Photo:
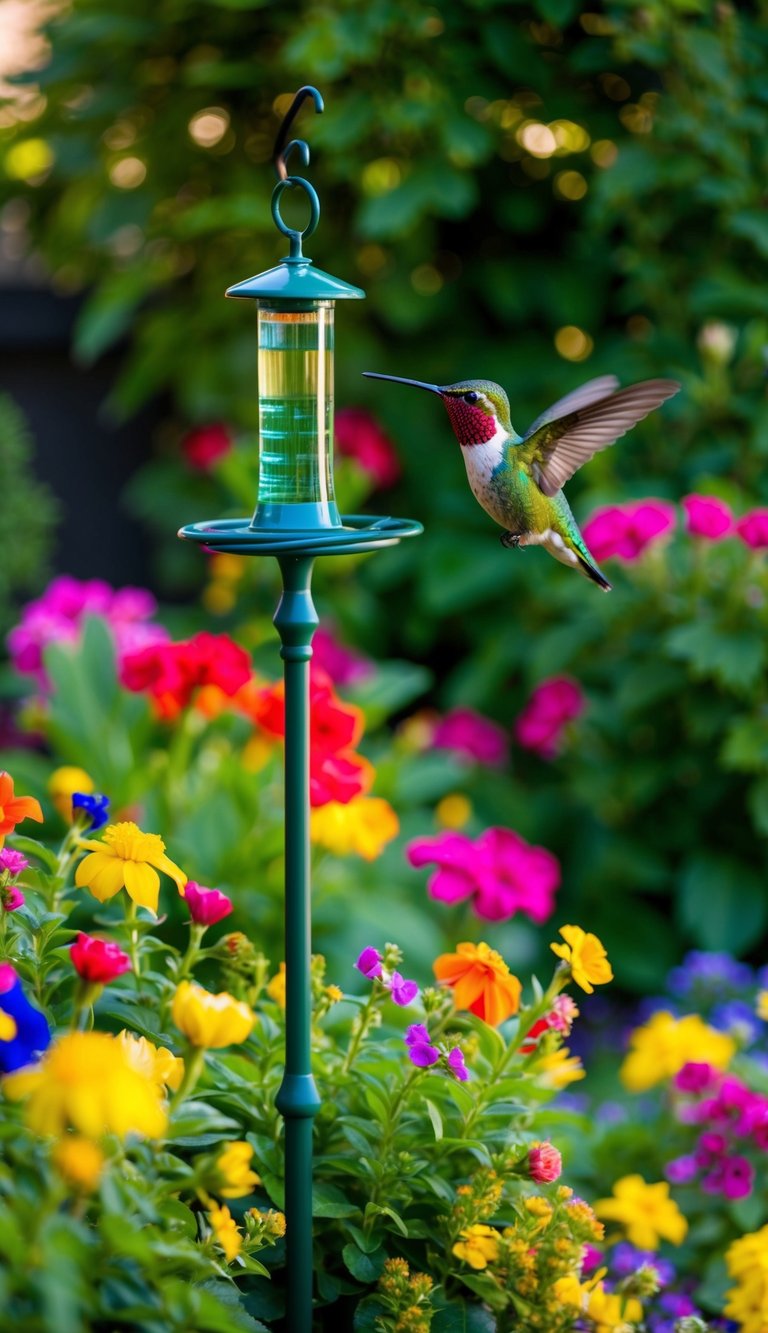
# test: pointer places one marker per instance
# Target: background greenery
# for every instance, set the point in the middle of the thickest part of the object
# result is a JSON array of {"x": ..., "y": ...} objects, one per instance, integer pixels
[{"x": 639, "y": 247}]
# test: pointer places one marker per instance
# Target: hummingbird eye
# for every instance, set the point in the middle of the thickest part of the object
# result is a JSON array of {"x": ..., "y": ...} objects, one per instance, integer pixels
[{"x": 471, "y": 397}]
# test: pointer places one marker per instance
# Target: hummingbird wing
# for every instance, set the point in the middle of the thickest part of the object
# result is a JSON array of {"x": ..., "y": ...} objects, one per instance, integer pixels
[
  {"x": 587, "y": 393},
  {"x": 558, "y": 448}
]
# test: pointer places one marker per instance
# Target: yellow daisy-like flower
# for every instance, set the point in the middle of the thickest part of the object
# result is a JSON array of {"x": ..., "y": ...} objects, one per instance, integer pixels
[
  {"x": 79, "y": 1161},
  {"x": 125, "y": 859},
  {"x": 364, "y": 826},
  {"x": 660, "y": 1047},
  {"x": 234, "y": 1168},
  {"x": 210, "y": 1021},
  {"x": 585, "y": 956},
  {"x": 153, "y": 1062},
  {"x": 646, "y": 1212},
  {"x": 226, "y": 1232},
  {"x": 86, "y": 1082},
  {"x": 478, "y": 1247}
]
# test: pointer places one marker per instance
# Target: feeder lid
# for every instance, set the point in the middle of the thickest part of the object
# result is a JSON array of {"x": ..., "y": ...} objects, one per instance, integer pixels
[{"x": 295, "y": 280}]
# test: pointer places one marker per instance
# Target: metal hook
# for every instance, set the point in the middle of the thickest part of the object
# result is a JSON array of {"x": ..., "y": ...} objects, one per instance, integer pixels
[{"x": 282, "y": 151}]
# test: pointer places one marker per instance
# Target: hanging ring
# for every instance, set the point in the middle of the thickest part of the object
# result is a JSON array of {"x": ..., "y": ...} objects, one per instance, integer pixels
[{"x": 293, "y": 233}]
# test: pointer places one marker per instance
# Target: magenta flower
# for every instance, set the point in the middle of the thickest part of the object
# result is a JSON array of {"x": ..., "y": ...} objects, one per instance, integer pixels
[
  {"x": 359, "y": 436},
  {"x": 342, "y": 665},
  {"x": 753, "y": 529},
  {"x": 456, "y": 1065},
  {"x": 471, "y": 736},
  {"x": 544, "y": 1162},
  {"x": 707, "y": 517},
  {"x": 369, "y": 963},
  {"x": 552, "y": 706},
  {"x": 58, "y": 616},
  {"x": 12, "y": 863},
  {"x": 11, "y": 898},
  {"x": 421, "y": 1052},
  {"x": 738, "y": 1177},
  {"x": 500, "y": 872},
  {"x": 681, "y": 1170},
  {"x": 592, "y": 1258},
  {"x": 403, "y": 992},
  {"x": 627, "y": 530},
  {"x": 206, "y": 906},
  {"x": 696, "y": 1077}
]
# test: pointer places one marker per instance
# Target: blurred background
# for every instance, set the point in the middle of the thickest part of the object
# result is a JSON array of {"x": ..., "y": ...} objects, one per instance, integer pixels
[{"x": 531, "y": 193}]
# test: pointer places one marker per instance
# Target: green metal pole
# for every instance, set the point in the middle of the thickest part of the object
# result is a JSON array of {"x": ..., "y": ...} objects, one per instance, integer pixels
[{"x": 297, "y": 1100}]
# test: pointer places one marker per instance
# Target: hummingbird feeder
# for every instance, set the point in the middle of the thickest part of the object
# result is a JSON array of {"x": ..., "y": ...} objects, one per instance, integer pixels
[{"x": 296, "y": 520}]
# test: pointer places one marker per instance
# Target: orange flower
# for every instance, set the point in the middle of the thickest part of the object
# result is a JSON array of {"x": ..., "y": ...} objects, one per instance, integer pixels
[
  {"x": 481, "y": 982},
  {"x": 15, "y": 808}
]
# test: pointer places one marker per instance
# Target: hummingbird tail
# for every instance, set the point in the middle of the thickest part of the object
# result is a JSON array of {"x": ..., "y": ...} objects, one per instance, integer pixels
[{"x": 593, "y": 573}]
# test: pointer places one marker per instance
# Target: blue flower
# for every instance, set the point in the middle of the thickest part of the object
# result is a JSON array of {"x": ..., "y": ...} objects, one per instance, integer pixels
[
  {"x": 94, "y": 805},
  {"x": 739, "y": 1019},
  {"x": 706, "y": 977},
  {"x": 31, "y": 1035}
]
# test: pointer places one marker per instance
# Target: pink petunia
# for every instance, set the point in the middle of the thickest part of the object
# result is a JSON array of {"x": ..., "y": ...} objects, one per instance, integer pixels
[
  {"x": 753, "y": 529},
  {"x": 707, "y": 517},
  {"x": 359, "y": 436},
  {"x": 499, "y": 872},
  {"x": 552, "y": 706},
  {"x": 628, "y": 530},
  {"x": 471, "y": 736}
]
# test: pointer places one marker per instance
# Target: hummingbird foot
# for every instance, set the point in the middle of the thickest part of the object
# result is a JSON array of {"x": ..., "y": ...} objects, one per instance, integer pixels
[{"x": 510, "y": 540}]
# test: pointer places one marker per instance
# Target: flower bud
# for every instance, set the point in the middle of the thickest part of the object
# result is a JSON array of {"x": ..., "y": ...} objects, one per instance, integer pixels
[
  {"x": 210, "y": 1021},
  {"x": 544, "y": 1162},
  {"x": 206, "y": 906},
  {"x": 98, "y": 961}
]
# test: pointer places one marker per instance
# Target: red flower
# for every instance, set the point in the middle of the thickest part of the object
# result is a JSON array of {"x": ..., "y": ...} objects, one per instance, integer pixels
[
  {"x": 359, "y": 436},
  {"x": 544, "y": 1162},
  {"x": 203, "y": 446},
  {"x": 531, "y": 1039},
  {"x": 338, "y": 777},
  {"x": 206, "y": 906},
  {"x": 171, "y": 673},
  {"x": 98, "y": 961},
  {"x": 333, "y": 725}
]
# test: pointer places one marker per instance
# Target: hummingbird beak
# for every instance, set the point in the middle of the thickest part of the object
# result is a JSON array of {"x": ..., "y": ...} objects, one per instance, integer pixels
[{"x": 396, "y": 379}]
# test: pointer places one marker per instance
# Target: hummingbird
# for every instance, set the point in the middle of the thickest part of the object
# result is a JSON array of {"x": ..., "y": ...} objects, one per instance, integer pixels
[{"x": 518, "y": 479}]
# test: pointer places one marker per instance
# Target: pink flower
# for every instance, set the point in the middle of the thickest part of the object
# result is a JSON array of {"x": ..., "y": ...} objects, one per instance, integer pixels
[
  {"x": 11, "y": 898},
  {"x": 359, "y": 436},
  {"x": 58, "y": 616},
  {"x": 98, "y": 961},
  {"x": 552, "y": 706},
  {"x": 696, "y": 1077},
  {"x": 544, "y": 1162},
  {"x": 12, "y": 863},
  {"x": 205, "y": 445},
  {"x": 472, "y": 737},
  {"x": 592, "y": 1259},
  {"x": 738, "y": 1177},
  {"x": 369, "y": 962},
  {"x": 708, "y": 517},
  {"x": 342, "y": 665},
  {"x": 500, "y": 872},
  {"x": 564, "y": 1012},
  {"x": 627, "y": 530},
  {"x": 206, "y": 906},
  {"x": 681, "y": 1170},
  {"x": 753, "y": 529}
]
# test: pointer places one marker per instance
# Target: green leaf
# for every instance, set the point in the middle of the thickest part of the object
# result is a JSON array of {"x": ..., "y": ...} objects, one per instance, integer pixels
[
  {"x": 460, "y": 1318},
  {"x": 435, "y": 1117},
  {"x": 365, "y": 1267},
  {"x": 367, "y": 1315},
  {"x": 31, "y": 847},
  {"x": 736, "y": 659},
  {"x": 328, "y": 1201},
  {"x": 722, "y": 903}
]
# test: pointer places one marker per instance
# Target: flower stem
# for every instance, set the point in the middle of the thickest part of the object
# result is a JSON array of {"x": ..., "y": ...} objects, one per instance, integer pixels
[
  {"x": 193, "y": 1068},
  {"x": 133, "y": 937}
]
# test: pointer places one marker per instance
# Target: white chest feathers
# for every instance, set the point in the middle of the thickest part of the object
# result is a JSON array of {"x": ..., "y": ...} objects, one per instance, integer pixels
[{"x": 481, "y": 460}]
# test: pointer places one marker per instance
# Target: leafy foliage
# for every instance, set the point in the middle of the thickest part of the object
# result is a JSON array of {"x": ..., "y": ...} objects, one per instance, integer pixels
[{"x": 28, "y": 521}]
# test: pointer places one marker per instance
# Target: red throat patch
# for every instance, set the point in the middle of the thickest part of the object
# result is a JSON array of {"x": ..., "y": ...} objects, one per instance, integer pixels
[{"x": 471, "y": 424}]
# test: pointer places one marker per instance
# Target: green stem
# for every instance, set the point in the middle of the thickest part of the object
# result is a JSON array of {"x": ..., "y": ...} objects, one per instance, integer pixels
[
  {"x": 194, "y": 1061},
  {"x": 133, "y": 937},
  {"x": 362, "y": 1028}
]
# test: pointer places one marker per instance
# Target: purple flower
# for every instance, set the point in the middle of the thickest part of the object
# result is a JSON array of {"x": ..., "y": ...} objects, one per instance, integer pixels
[
  {"x": 471, "y": 736},
  {"x": 342, "y": 665},
  {"x": 402, "y": 991},
  {"x": 681, "y": 1170},
  {"x": 421, "y": 1052},
  {"x": 94, "y": 805},
  {"x": 738, "y": 1177},
  {"x": 456, "y": 1064},
  {"x": 706, "y": 977},
  {"x": 12, "y": 863},
  {"x": 369, "y": 963}
]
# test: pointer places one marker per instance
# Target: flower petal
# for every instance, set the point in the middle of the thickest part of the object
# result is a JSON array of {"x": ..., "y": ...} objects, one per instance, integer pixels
[
  {"x": 169, "y": 867},
  {"x": 92, "y": 864},
  {"x": 108, "y": 880},
  {"x": 142, "y": 883}
]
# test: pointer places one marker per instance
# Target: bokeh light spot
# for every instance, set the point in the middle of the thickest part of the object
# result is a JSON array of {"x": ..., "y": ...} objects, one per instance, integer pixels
[
  {"x": 570, "y": 185},
  {"x": 209, "y": 126},
  {"x": 573, "y": 344},
  {"x": 426, "y": 280},
  {"x": 537, "y": 139},
  {"x": 28, "y": 159},
  {"x": 128, "y": 173},
  {"x": 381, "y": 176}
]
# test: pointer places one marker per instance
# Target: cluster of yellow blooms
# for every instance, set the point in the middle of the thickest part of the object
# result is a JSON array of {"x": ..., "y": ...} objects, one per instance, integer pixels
[
  {"x": 747, "y": 1301},
  {"x": 646, "y": 1212},
  {"x": 660, "y": 1048},
  {"x": 406, "y": 1297}
]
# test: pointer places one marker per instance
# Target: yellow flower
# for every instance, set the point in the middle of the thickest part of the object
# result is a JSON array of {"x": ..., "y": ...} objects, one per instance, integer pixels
[
  {"x": 559, "y": 1068},
  {"x": 585, "y": 956},
  {"x": 276, "y": 987},
  {"x": 747, "y": 1261},
  {"x": 645, "y": 1211},
  {"x": 86, "y": 1081},
  {"x": 8, "y": 1028},
  {"x": 226, "y": 1232},
  {"x": 125, "y": 859},
  {"x": 454, "y": 811},
  {"x": 79, "y": 1161},
  {"x": 609, "y": 1312},
  {"x": 334, "y": 993},
  {"x": 479, "y": 1247},
  {"x": 762, "y": 1005},
  {"x": 661, "y": 1047},
  {"x": 210, "y": 1021},
  {"x": 62, "y": 785},
  {"x": 568, "y": 1291},
  {"x": 234, "y": 1168},
  {"x": 153, "y": 1062},
  {"x": 364, "y": 826}
]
